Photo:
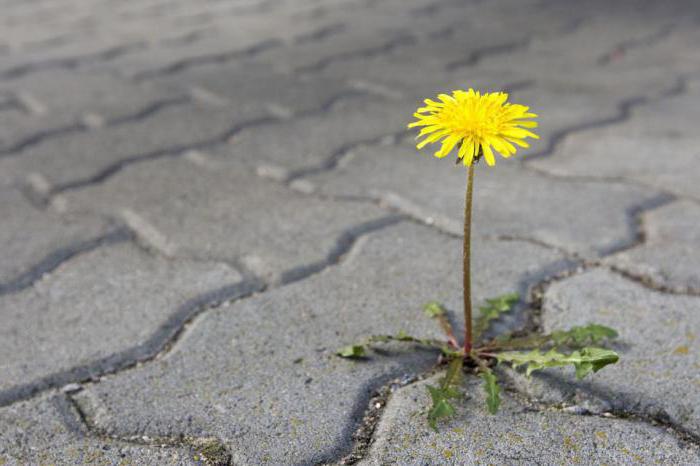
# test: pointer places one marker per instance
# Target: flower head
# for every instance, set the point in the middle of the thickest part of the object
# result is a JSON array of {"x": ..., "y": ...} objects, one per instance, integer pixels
[{"x": 478, "y": 121}]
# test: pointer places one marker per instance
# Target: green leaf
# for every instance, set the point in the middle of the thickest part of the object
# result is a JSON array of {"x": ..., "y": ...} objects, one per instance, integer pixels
[
  {"x": 585, "y": 361},
  {"x": 493, "y": 398},
  {"x": 579, "y": 336},
  {"x": 492, "y": 310},
  {"x": 434, "y": 309},
  {"x": 447, "y": 390},
  {"x": 352, "y": 351}
]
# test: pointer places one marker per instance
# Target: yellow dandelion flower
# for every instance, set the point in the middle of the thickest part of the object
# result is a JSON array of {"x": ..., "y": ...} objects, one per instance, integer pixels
[{"x": 478, "y": 121}]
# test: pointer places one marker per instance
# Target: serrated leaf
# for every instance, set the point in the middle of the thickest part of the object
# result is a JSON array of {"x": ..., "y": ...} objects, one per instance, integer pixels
[
  {"x": 352, "y": 351},
  {"x": 441, "y": 408},
  {"x": 447, "y": 390},
  {"x": 434, "y": 309},
  {"x": 492, "y": 310},
  {"x": 493, "y": 391},
  {"x": 585, "y": 361},
  {"x": 582, "y": 335}
]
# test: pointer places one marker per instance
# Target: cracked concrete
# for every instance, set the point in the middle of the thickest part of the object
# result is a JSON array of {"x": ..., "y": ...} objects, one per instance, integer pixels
[{"x": 201, "y": 201}]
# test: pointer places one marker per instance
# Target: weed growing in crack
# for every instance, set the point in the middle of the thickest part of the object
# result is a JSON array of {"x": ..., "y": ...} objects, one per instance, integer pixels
[{"x": 482, "y": 123}]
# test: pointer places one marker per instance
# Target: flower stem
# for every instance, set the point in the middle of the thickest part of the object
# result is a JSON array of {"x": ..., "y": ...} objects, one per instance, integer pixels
[{"x": 467, "y": 262}]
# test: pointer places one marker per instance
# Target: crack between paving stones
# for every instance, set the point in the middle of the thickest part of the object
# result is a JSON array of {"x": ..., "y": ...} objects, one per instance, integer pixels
[
  {"x": 42, "y": 136},
  {"x": 647, "y": 41},
  {"x": 215, "y": 58},
  {"x": 625, "y": 109},
  {"x": 168, "y": 334},
  {"x": 368, "y": 52},
  {"x": 70, "y": 62},
  {"x": 682, "y": 434},
  {"x": 138, "y": 354},
  {"x": 177, "y": 151},
  {"x": 211, "y": 449},
  {"x": 58, "y": 257}
]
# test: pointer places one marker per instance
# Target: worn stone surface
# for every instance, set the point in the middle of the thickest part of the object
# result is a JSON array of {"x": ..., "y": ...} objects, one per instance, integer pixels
[
  {"x": 99, "y": 310},
  {"x": 158, "y": 157},
  {"x": 656, "y": 376},
  {"x": 278, "y": 394},
  {"x": 47, "y": 431},
  {"x": 517, "y": 434},
  {"x": 509, "y": 201},
  {"x": 669, "y": 256},
  {"x": 34, "y": 242},
  {"x": 228, "y": 214}
]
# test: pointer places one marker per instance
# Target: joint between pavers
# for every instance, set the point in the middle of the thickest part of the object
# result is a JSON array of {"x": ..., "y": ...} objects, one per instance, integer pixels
[
  {"x": 158, "y": 343},
  {"x": 59, "y": 257}
]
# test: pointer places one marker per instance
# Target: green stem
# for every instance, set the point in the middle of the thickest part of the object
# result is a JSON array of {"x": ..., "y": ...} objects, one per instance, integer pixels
[{"x": 467, "y": 262}]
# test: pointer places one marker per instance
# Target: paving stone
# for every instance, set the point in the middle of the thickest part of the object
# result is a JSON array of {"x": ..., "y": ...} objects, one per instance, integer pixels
[
  {"x": 219, "y": 213},
  {"x": 508, "y": 200},
  {"x": 669, "y": 256},
  {"x": 318, "y": 140},
  {"x": 278, "y": 394},
  {"x": 250, "y": 86},
  {"x": 656, "y": 376},
  {"x": 45, "y": 431},
  {"x": 34, "y": 242},
  {"x": 94, "y": 154},
  {"x": 657, "y": 135},
  {"x": 101, "y": 310},
  {"x": 517, "y": 435}
]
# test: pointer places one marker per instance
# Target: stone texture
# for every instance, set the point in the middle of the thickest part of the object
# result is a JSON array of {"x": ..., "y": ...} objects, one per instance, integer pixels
[
  {"x": 99, "y": 311},
  {"x": 46, "y": 431},
  {"x": 517, "y": 435},
  {"x": 160, "y": 156},
  {"x": 95, "y": 154},
  {"x": 278, "y": 394},
  {"x": 658, "y": 349},
  {"x": 656, "y": 135},
  {"x": 34, "y": 242},
  {"x": 669, "y": 256},
  {"x": 508, "y": 201},
  {"x": 209, "y": 211}
]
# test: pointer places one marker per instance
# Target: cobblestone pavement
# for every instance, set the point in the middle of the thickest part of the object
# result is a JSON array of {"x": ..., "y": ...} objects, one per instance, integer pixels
[{"x": 201, "y": 201}]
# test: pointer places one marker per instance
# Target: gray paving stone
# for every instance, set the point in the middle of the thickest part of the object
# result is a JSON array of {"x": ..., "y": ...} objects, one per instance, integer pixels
[
  {"x": 224, "y": 213},
  {"x": 45, "y": 431},
  {"x": 314, "y": 142},
  {"x": 508, "y": 200},
  {"x": 518, "y": 435},
  {"x": 96, "y": 154},
  {"x": 33, "y": 241},
  {"x": 278, "y": 394},
  {"x": 658, "y": 134},
  {"x": 656, "y": 376},
  {"x": 99, "y": 311},
  {"x": 249, "y": 86},
  {"x": 669, "y": 256}
]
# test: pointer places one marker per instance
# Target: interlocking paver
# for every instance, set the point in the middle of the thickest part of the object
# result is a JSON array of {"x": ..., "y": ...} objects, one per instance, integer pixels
[
  {"x": 221, "y": 213},
  {"x": 60, "y": 102},
  {"x": 47, "y": 431},
  {"x": 525, "y": 435},
  {"x": 669, "y": 256},
  {"x": 95, "y": 154},
  {"x": 34, "y": 242},
  {"x": 160, "y": 156},
  {"x": 278, "y": 394},
  {"x": 509, "y": 201},
  {"x": 656, "y": 376},
  {"x": 99, "y": 311},
  {"x": 659, "y": 134}
]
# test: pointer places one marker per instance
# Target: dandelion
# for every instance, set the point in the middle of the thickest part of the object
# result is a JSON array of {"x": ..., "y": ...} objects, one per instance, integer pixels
[{"x": 479, "y": 123}]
